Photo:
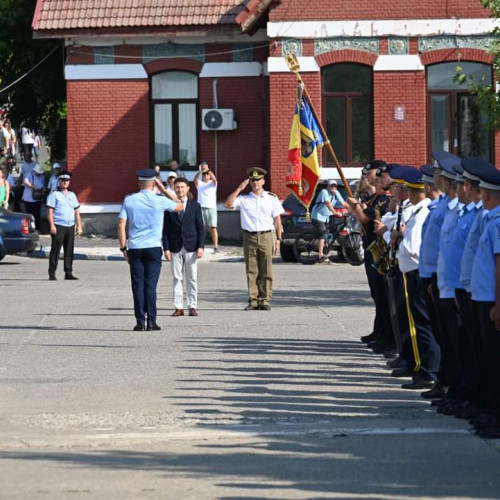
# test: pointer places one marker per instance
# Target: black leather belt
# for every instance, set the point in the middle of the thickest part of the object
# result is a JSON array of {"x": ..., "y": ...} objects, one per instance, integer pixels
[{"x": 257, "y": 232}]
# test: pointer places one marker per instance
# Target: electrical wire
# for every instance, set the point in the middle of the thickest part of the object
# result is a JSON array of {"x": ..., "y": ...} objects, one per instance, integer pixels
[
  {"x": 152, "y": 58},
  {"x": 29, "y": 71}
]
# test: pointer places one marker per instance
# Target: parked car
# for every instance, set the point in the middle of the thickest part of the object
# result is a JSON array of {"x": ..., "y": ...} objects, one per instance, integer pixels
[
  {"x": 294, "y": 220},
  {"x": 17, "y": 233}
]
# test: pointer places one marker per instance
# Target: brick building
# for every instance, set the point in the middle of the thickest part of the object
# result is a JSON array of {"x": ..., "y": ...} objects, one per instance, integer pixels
[{"x": 141, "y": 73}]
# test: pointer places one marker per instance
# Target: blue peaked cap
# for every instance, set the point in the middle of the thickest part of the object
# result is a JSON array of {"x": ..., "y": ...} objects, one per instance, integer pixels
[{"x": 427, "y": 170}]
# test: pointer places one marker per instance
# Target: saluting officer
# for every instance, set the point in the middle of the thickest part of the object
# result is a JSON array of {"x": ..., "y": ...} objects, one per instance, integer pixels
[
  {"x": 260, "y": 213},
  {"x": 62, "y": 212},
  {"x": 144, "y": 212}
]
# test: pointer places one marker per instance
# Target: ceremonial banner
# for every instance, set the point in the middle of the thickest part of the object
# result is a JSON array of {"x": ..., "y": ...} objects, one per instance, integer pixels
[{"x": 306, "y": 140}]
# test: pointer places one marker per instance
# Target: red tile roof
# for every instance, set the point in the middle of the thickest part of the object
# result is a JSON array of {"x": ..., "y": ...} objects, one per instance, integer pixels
[{"x": 90, "y": 14}]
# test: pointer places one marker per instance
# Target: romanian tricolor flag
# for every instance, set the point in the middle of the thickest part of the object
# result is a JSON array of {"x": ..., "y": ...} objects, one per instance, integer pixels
[{"x": 306, "y": 140}]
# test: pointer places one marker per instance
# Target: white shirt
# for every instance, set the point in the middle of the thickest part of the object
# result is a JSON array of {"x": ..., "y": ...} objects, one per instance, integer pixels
[
  {"x": 409, "y": 247},
  {"x": 390, "y": 219},
  {"x": 207, "y": 194},
  {"x": 4, "y": 137},
  {"x": 26, "y": 136},
  {"x": 258, "y": 212}
]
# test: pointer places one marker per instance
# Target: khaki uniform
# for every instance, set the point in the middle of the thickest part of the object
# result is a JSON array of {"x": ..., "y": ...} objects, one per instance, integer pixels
[{"x": 257, "y": 222}]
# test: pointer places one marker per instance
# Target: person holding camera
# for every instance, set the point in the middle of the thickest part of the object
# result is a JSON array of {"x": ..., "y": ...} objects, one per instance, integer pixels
[
  {"x": 206, "y": 184},
  {"x": 324, "y": 208}
]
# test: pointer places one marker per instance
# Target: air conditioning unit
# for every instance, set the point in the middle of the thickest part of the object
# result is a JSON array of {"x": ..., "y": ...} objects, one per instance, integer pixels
[{"x": 218, "y": 119}]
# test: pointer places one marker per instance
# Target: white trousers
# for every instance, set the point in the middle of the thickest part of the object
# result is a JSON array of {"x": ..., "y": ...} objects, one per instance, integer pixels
[{"x": 185, "y": 264}]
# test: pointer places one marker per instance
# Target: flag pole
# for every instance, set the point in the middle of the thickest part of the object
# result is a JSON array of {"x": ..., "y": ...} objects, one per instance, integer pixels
[{"x": 294, "y": 66}]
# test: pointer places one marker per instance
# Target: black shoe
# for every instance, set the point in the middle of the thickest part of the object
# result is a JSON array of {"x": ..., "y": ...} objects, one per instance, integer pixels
[
  {"x": 380, "y": 347},
  {"x": 390, "y": 353},
  {"x": 468, "y": 408},
  {"x": 452, "y": 409},
  {"x": 139, "y": 327},
  {"x": 70, "y": 277},
  {"x": 369, "y": 338},
  {"x": 265, "y": 307},
  {"x": 52, "y": 277},
  {"x": 251, "y": 308},
  {"x": 445, "y": 403},
  {"x": 403, "y": 372},
  {"x": 399, "y": 362},
  {"x": 437, "y": 392},
  {"x": 489, "y": 432},
  {"x": 152, "y": 327},
  {"x": 419, "y": 383},
  {"x": 484, "y": 422}
]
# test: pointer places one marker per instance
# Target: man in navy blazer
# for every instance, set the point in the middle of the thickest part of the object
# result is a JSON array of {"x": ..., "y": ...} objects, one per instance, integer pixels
[{"x": 183, "y": 244}]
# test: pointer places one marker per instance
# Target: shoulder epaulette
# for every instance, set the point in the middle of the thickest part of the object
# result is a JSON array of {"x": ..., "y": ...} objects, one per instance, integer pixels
[{"x": 272, "y": 194}]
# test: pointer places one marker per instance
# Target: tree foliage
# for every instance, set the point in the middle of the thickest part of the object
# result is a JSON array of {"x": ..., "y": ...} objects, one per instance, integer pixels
[
  {"x": 488, "y": 97},
  {"x": 38, "y": 99}
]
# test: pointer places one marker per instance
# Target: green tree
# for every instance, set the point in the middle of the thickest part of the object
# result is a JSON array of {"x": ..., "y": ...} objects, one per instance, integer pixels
[
  {"x": 488, "y": 97},
  {"x": 39, "y": 98}
]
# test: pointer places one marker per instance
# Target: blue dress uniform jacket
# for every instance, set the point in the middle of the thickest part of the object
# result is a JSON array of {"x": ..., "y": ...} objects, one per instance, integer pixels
[
  {"x": 471, "y": 246},
  {"x": 424, "y": 273},
  {"x": 433, "y": 234},
  {"x": 483, "y": 286},
  {"x": 446, "y": 289},
  {"x": 144, "y": 212},
  {"x": 457, "y": 246}
]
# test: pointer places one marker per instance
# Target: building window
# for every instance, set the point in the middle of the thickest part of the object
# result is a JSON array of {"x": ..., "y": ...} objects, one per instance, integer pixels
[
  {"x": 175, "y": 109},
  {"x": 348, "y": 111},
  {"x": 456, "y": 121}
]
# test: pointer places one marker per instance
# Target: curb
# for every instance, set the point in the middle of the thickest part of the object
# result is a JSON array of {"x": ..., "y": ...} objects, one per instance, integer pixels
[{"x": 44, "y": 254}]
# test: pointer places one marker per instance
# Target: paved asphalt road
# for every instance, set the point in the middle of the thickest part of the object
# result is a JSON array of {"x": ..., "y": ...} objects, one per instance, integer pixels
[{"x": 282, "y": 404}]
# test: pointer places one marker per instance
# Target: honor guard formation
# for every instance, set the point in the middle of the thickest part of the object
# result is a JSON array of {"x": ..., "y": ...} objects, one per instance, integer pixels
[{"x": 432, "y": 258}]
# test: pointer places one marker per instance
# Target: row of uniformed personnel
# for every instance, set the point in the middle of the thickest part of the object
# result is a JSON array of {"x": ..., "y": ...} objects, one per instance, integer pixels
[{"x": 435, "y": 280}]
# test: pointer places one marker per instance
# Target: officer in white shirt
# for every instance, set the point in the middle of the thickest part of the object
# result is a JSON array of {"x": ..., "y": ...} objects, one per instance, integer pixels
[
  {"x": 427, "y": 350},
  {"x": 207, "y": 198},
  {"x": 260, "y": 214}
]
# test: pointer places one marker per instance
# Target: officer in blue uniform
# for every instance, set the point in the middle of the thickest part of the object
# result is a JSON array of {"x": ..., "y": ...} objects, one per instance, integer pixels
[
  {"x": 451, "y": 326},
  {"x": 485, "y": 292},
  {"x": 463, "y": 388},
  {"x": 144, "y": 213},
  {"x": 430, "y": 254},
  {"x": 62, "y": 212},
  {"x": 430, "y": 178},
  {"x": 472, "y": 166}
]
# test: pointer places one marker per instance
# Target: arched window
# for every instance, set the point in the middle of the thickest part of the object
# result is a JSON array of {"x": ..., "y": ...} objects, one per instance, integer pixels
[
  {"x": 175, "y": 109},
  {"x": 456, "y": 121},
  {"x": 348, "y": 111}
]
